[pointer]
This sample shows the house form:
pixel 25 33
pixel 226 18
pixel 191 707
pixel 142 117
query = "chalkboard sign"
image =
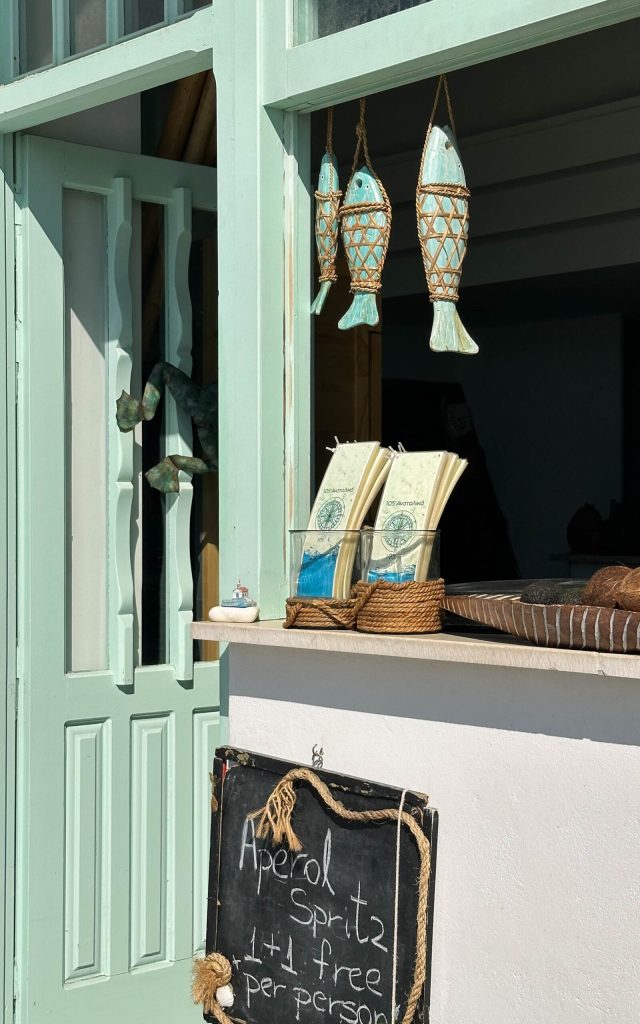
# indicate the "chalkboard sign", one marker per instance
pixel 312 936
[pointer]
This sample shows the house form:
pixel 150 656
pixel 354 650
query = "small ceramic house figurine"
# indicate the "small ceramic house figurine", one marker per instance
pixel 240 598
pixel 239 608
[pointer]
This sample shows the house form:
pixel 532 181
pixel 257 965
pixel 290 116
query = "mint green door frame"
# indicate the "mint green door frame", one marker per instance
pixel 416 44
pixel 112 769
pixel 8 572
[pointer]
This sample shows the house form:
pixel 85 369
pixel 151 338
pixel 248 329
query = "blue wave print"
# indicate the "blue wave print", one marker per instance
pixel 315 578
pixel 407 573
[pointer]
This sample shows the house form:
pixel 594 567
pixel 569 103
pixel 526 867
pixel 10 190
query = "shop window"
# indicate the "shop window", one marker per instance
pixel 141 14
pixel 317 18
pixel 87 24
pixel 49 33
pixel 545 412
pixel 36 34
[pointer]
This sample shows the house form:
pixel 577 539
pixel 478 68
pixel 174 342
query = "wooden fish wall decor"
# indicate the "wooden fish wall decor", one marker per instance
pixel 366 224
pixel 328 199
pixel 442 207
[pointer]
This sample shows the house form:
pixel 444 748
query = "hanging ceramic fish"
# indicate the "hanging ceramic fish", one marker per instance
pixel 366 223
pixel 442 206
pixel 327 206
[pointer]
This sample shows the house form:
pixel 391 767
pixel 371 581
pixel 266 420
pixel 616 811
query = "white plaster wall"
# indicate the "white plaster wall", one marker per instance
pixel 536 777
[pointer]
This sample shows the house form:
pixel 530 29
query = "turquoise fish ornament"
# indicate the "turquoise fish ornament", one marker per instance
pixel 328 199
pixel 366 224
pixel 442 206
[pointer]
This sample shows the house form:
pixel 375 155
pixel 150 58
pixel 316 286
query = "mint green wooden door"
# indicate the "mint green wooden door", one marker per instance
pixel 113 788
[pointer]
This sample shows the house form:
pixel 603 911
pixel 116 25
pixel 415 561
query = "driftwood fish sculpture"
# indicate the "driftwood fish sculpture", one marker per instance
pixel 328 199
pixel 366 224
pixel 442 206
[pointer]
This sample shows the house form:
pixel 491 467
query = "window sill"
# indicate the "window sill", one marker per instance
pixel 485 649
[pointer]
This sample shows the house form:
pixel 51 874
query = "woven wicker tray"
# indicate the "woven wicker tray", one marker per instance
pixel 554 625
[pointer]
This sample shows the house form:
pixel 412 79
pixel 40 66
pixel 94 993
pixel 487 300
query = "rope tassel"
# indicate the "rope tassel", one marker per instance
pixel 275 816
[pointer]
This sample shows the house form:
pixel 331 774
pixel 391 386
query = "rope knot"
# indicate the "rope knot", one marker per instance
pixel 211 975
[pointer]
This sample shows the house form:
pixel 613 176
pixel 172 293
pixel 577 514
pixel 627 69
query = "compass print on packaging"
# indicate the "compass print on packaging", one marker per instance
pixel 330 514
pixel 397 530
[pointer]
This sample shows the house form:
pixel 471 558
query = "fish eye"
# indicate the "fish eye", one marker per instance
pixel 359 182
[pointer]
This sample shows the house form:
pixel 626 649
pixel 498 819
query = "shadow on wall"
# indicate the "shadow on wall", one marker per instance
pixel 566 704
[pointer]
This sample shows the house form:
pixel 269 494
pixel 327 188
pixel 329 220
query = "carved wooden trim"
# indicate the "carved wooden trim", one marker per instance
pixel 178 439
pixel 120 462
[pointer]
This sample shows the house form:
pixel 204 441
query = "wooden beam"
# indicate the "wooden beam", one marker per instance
pixel 562 248
pixel 423 41
pixel 177 127
pixel 601 190
pixel 130 66
pixel 563 142
pixel 203 126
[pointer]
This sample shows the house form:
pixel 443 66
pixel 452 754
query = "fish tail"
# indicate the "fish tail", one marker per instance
pixel 318 302
pixel 448 333
pixel 363 310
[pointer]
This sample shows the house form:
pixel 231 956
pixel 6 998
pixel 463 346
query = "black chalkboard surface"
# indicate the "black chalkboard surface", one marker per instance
pixel 310 935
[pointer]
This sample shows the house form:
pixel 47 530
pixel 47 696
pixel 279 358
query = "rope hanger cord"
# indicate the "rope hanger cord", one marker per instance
pixel 450 110
pixel 442 82
pixel 361 135
pixel 327 211
pixel 443 278
pixel 275 823
pixel 329 146
pixel 333 193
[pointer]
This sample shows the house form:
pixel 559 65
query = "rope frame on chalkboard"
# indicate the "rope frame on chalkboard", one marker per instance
pixel 275 822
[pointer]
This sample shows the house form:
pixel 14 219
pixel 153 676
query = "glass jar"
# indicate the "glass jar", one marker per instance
pixel 323 563
pixel 399 554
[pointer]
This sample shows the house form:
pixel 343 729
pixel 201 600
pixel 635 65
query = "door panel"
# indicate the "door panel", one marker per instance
pixel 113 784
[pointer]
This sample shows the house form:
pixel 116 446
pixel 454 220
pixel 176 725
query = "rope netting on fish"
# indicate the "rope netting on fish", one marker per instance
pixel 442 209
pixel 328 196
pixel 365 218
pixel 443 221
